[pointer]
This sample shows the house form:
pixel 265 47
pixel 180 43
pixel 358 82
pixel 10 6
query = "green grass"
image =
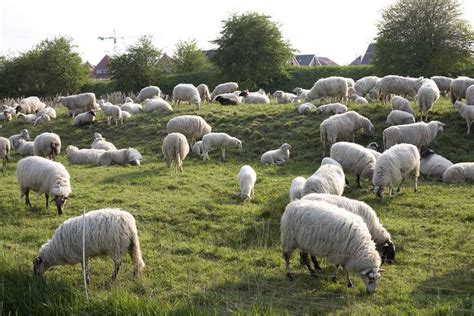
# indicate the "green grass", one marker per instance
pixel 206 253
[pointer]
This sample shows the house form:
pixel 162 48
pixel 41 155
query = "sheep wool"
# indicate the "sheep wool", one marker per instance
pixel 427 95
pixel 76 156
pixel 197 148
pixel 213 141
pixel 331 87
pixel 40 119
pixel 365 84
pixel 84 118
pixel 120 157
pixel 47 145
pixel 100 143
pixel 204 92
pixel 470 95
pixel 157 104
pixel 148 93
pixel 277 156
pixel 443 83
pixel 418 134
pixel 296 188
pixel 30 105
pixel 131 107
pixel 254 97
pixel 397 117
pixel 175 148
pixel 459 87
pixel 191 126
pixel 247 178
pixel 78 103
pixel 14 139
pixel 113 112
pixel 460 172
pixel 27 118
pixel 26 148
pixel 285 97
pixel 4 152
pixel 329 178
pixel 334 108
pixel 399 85
pixel 186 92
pixel 402 104
pixel 227 87
pixel 467 113
pixel 433 165
pixel 306 107
pixel 51 112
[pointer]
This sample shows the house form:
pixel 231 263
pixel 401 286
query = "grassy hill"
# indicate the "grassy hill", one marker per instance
pixel 205 252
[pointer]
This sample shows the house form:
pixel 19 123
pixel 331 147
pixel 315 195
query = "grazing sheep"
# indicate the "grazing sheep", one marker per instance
pixel 373 146
pixel 285 97
pixel 175 148
pixel 329 178
pixel 467 113
pixel 332 87
pixel 120 157
pixel 14 139
pixel 109 232
pixel 393 166
pixel 254 97
pixel 41 119
pixel 197 148
pixel 301 93
pixel 247 178
pixel 433 165
pixel 157 104
pixel 330 161
pixel 341 236
pixel 113 112
pixel 78 103
pixel 277 156
pixel 443 83
pixel 397 117
pixel 30 105
pixel 4 152
pixel 131 107
pixel 126 115
pixel 46 177
pixel 47 145
pixel 186 92
pixel 148 93
pixel 418 134
pixel 227 99
pixel 213 141
pixel 27 118
pixel 296 188
pixel 354 97
pixel 459 87
pixel 26 148
pixel 204 93
pixel 84 118
pixel 100 143
pixel 343 127
pixel 86 156
pixel 5 116
pixel 306 107
pixel 350 82
pixel 460 172
pixel 399 85
pixel 51 112
pixel 334 108
pixel 365 84
pixel 427 95
pixel 470 95
pixel 227 87
pixel 401 104
pixel 191 126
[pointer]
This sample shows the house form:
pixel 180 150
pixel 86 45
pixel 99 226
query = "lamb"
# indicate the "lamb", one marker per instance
pixel 460 172
pixel 332 87
pixel 254 97
pixel 399 85
pixel 30 105
pixel 84 118
pixel 365 84
pixel 459 87
pixel 296 188
pixel 157 104
pixel 46 177
pixel 126 115
pixel 5 116
pixel 433 165
pixel 402 104
pixel 393 166
pixel 5 150
pixel 397 117
pixel 277 156
pixel 213 141
pixel 120 157
pixel 418 134
pixel 26 148
pixel 285 97
pixel 343 127
pixel 113 112
pixel 100 143
pixel 47 145
pixel 329 178
pixel 186 92
pixel 228 99
pixel 148 93
pixel 354 159
pixel 204 93
pixel 357 99
pixel 227 87
pixel 470 95
pixel 51 112
pixel 197 148
pixel 427 95
pixel 334 108
pixel 306 107
pixel 76 156
pixel 131 107
pixel 14 139
pixel 247 178
pixel 373 146
pixel 109 232
pixel 78 103
pixel 175 149
pixel 41 119
pixel 301 93
pixel 341 236
pixel 27 118
pixel 467 113
pixel 191 126
pixel 443 83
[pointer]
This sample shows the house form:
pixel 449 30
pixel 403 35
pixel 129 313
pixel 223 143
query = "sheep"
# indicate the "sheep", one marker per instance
pixel 175 148
pixel 458 88
pixel 306 107
pixel 374 149
pixel 460 172
pixel 467 113
pixel 41 119
pixel 330 161
pixel 427 95
pixel 247 178
pixel 350 82
pixel 277 156
pixel 30 105
pixel 227 87
pixel 354 97
pixel 343 127
pixel 14 139
pixel 79 103
pixel 380 235
pixel 401 104
pixel 213 141
pixel 397 117
pixel 197 148
pixel 334 108
pixel 46 177
pixel 5 116
pixel 285 97
pixel 341 236
pixel 254 97
pixel 301 93
pixel 470 95
pixel 76 156
pixel 296 188
pixel 131 107
pixel 191 126
pixel 354 159
pixel 204 93
pixel 157 104
pixel 5 150
pixel 51 112
pixel 27 118
pixel 329 178
pixel 393 166
pixel 186 92
pixel 126 115
pixel 26 148
pixel 148 93
pixel 84 118
pixel 365 84
pixel 433 165
pixel 100 143
pixel 227 99
pixel 399 85
pixel 443 83
pixel 120 157
pixel 109 232
pixel 418 134
pixel 113 112
pixel 332 87
pixel 47 145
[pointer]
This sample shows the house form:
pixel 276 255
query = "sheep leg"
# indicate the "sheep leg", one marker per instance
pixel 315 263
pixel 117 264
pixel 289 275
pixel 87 270
pixel 4 168
pixel 334 277
pixel 468 126
pixel 304 259
pixel 348 279
pixel 27 198
pixel 416 184
pixel 358 181
pixel 400 185
pixel 108 120
pixel 223 153
pixel 47 200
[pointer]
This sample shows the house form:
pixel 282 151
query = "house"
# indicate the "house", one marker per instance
pixel 166 63
pixel 306 60
pixel 367 58
pixel 101 70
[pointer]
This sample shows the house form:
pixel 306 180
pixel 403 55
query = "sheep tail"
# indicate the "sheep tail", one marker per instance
pixel 136 254
pixel 177 151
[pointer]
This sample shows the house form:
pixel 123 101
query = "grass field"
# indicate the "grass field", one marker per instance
pixel 207 253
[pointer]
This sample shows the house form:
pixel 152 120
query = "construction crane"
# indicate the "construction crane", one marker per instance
pixel 114 37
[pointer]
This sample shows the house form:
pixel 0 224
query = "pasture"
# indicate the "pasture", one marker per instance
pixel 207 253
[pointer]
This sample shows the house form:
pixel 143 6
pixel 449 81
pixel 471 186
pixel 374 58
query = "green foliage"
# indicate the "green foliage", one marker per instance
pixel 189 58
pixel 169 81
pixel 423 38
pixel 251 50
pixel 137 67
pixel 99 87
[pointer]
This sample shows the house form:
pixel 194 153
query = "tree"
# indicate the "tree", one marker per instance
pixel 251 50
pixel 189 58
pixel 423 37
pixel 137 67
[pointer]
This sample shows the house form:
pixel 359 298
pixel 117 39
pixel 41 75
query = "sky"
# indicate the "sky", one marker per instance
pixel 338 29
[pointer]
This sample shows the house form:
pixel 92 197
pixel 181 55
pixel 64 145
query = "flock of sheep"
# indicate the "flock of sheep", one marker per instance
pixel 318 220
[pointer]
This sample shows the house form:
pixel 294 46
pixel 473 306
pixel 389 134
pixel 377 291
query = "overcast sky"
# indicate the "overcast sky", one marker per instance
pixel 338 29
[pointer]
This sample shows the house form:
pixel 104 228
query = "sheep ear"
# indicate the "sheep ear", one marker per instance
pixel 442 124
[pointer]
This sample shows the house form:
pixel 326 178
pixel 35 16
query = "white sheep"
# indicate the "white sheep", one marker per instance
pixel 76 156
pixel 100 143
pixel 120 157
pixel 343 126
pixel 175 148
pixel 204 92
pixel 467 113
pixel 247 178
pixel 47 145
pixel 109 232
pixel 43 118
pixel 227 87
pixel 84 118
pixel 306 107
pixel 393 166
pixel 14 139
pixel 296 188
pixel 46 177
pixel 254 97
pixel 327 230
pixel 148 93
pixel 126 115
pixel 443 83
pixel 329 178
pixel 228 99
pixel 355 98
pixel 51 112
pixel 197 148
pixel 459 87
pixel 301 93
pixel 401 104
pixel 78 103
pixel 26 118
pixel 331 87
pixel 373 146
pixel 460 172
pixel 186 92
pixel 399 85
pixel 397 117
pixel 30 105
pixel 131 107
pixel 418 134
pixel 191 126
pixel 350 82
pixel 334 108
pixel 113 112
pixel 213 141
pixel 365 84
pixel 277 156
pixel 157 104
pixel 433 165
pixel 427 95
pixel 5 150
pixel 5 116
pixel 330 161
pixel 470 95
pixel 26 148
pixel 285 97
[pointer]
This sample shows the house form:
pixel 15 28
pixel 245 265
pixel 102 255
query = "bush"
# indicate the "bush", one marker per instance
pixel 99 87
pixel 168 82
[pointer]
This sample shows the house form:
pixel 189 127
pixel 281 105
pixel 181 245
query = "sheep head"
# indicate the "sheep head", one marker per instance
pixel 370 277
pixel 60 203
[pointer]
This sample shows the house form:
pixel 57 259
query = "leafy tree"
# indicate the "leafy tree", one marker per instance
pixel 251 50
pixel 137 67
pixel 423 37
pixel 189 58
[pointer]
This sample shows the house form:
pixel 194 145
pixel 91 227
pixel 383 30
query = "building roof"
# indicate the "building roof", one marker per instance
pixel 369 55
pixel 103 63
pixel 313 60
pixel 101 70
pixel 356 61
pixel 324 61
